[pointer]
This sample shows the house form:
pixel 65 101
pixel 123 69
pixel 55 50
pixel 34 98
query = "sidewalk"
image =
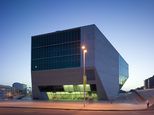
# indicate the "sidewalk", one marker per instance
pixel 99 106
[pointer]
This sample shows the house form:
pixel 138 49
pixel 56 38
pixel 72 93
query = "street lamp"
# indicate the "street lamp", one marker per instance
pixel 84 50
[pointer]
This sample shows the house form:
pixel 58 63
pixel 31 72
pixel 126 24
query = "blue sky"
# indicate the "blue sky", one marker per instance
pixel 127 24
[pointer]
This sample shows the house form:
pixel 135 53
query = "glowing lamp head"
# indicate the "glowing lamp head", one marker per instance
pixel 83 47
pixel 85 51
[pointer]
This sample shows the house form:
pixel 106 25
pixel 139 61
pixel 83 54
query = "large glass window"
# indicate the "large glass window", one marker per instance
pixel 69 92
pixel 56 50
pixel 123 71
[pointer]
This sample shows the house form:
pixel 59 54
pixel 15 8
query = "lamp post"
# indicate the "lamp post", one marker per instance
pixel 84 50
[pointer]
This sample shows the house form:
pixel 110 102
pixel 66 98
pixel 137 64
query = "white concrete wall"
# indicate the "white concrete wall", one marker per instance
pixel 104 58
pixel 106 64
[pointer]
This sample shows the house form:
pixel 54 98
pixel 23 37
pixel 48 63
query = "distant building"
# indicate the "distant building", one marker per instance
pixel 5 91
pixel 57 66
pixel 22 88
pixel 149 83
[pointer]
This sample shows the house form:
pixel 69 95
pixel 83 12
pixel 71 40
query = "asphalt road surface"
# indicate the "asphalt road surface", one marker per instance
pixel 28 111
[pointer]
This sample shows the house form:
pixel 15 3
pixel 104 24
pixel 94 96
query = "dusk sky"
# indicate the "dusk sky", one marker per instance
pixel 127 24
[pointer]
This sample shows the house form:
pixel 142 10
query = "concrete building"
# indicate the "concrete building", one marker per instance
pixel 57 67
pixel 149 83
pixel 21 88
pixel 6 92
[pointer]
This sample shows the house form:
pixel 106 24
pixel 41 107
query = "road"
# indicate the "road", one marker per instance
pixel 29 111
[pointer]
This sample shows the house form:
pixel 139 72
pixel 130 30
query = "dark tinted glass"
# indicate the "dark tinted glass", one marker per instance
pixel 51 88
pixel 93 87
pixel 56 50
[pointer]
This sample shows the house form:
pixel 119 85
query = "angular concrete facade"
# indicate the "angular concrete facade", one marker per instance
pixel 105 68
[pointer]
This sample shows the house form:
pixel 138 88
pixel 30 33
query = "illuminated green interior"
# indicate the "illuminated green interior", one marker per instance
pixel 75 88
pixel 72 92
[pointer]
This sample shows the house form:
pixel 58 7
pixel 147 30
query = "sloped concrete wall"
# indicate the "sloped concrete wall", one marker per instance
pixel 107 64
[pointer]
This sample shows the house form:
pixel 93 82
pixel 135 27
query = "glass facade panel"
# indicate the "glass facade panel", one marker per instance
pixel 70 92
pixel 123 71
pixel 56 50
pixel 73 96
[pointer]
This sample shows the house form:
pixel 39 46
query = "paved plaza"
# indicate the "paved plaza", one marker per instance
pixel 95 106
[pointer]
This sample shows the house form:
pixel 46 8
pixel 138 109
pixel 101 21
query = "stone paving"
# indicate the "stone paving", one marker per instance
pixel 97 106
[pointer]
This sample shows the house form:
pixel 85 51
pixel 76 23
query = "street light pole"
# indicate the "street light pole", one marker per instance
pixel 84 73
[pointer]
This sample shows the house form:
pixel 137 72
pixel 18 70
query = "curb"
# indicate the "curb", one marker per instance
pixel 84 109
